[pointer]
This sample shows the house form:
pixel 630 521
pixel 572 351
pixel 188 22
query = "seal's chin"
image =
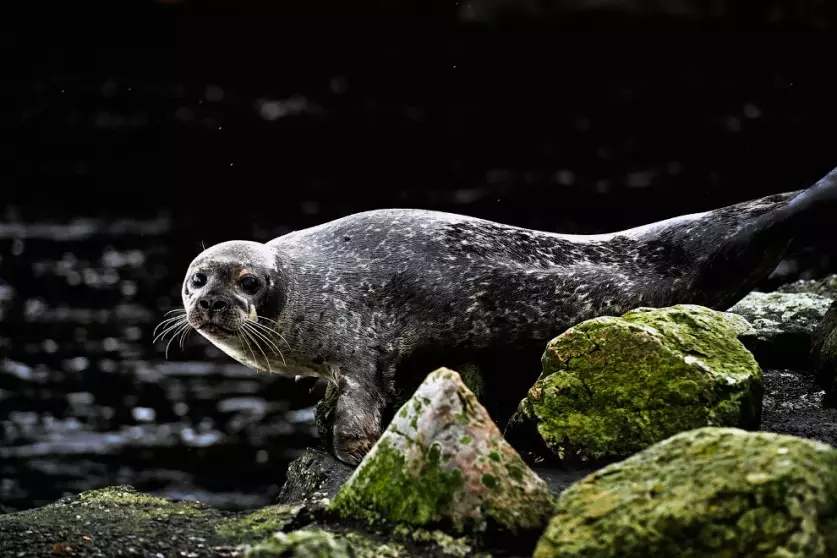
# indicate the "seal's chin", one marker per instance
pixel 214 329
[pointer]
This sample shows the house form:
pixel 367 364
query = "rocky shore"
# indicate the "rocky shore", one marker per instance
pixel 675 431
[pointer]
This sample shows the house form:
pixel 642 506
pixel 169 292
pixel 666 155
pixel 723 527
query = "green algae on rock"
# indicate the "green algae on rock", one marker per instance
pixel 783 324
pixel 105 522
pixel 305 543
pixel 120 521
pixel 613 386
pixel 442 460
pixel 704 493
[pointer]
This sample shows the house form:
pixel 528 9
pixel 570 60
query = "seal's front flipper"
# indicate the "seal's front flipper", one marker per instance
pixel 358 416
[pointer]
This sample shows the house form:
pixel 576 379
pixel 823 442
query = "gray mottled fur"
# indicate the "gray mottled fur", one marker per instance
pixel 354 298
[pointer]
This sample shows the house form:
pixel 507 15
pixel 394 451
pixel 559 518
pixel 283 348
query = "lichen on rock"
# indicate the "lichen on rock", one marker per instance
pixel 706 492
pixel 825 286
pixel 442 461
pixel 305 543
pixel 783 324
pixel 613 386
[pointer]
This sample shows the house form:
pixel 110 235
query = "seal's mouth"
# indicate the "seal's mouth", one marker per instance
pixel 214 328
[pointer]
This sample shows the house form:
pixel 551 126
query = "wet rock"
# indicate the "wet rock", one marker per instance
pixel 706 492
pixel 827 287
pixel 824 354
pixel 443 461
pixel 305 543
pixel 793 405
pixel 315 473
pixel 783 324
pixel 119 521
pixel 613 386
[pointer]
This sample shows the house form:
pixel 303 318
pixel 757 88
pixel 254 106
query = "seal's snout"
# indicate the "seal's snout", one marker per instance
pixel 210 304
pixel 214 311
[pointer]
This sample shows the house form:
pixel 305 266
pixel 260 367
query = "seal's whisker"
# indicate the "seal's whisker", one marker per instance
pixel 169 328
pixel 247 344
pixel 168 321
pixel 249 335
pixel 182 327
pixel 256 332
pixel 183 336
pixel 181 310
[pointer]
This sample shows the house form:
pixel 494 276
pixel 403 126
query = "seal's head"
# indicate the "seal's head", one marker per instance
pixel 227 289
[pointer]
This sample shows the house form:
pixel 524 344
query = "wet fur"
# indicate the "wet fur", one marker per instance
pixel 388 295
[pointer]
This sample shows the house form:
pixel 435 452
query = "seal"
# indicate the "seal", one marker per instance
pixel 366 299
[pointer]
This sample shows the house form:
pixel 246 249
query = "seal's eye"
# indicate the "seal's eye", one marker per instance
pixel 199 279
pixel 249 284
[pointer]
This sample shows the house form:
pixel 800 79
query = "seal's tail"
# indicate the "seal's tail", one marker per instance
pixel 753 251
pixel 822 194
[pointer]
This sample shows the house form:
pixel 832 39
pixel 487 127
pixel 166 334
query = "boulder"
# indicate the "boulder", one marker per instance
pixel 824 354
pixel 783 324
pixel 707 492
pixel 443 461
pixel 120 521
pixel 314 474
pixel 826 286
pixel 612 386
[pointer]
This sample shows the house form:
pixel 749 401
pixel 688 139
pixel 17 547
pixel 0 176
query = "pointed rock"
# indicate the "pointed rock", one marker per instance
pixel 442 460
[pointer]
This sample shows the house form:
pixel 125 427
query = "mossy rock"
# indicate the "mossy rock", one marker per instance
pixel 613 386
pixel 119 521
pixel 442 461
pixel 783 325
pixel 305 543
pixel 710 492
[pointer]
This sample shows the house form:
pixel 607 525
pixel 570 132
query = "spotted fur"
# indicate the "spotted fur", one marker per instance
pixel 365 294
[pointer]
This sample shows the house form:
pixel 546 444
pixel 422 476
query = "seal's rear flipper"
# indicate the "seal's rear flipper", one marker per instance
pixel 750 253
pixel 822 194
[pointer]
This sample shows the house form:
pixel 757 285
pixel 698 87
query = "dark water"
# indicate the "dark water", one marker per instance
pixel 86 398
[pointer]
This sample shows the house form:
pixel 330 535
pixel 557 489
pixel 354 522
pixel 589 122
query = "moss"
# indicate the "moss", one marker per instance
pixel 473 379
pixel 613 386
pixel 706 492
pixel 386 485
pixel 447 471
pixel 305 543
pixel 101 522
pixel 449 545
pixel 260 523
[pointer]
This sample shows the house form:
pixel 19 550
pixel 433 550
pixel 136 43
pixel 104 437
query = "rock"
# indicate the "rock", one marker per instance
pixel 827 287
pixel 443 461
pixel 824 354
pixel 314 543
pixel 793 405
pixel 783 324
pixel 613 386
pixel 315 474
pixel 706 492
pixel 119 521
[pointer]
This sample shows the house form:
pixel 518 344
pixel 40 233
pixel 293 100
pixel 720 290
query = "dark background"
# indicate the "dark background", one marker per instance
pixel 136 131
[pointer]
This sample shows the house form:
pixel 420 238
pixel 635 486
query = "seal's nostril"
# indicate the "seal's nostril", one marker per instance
pixel 204 303
pixel 218 305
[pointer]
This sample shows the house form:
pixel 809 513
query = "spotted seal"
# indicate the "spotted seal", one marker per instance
pixel 361 298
